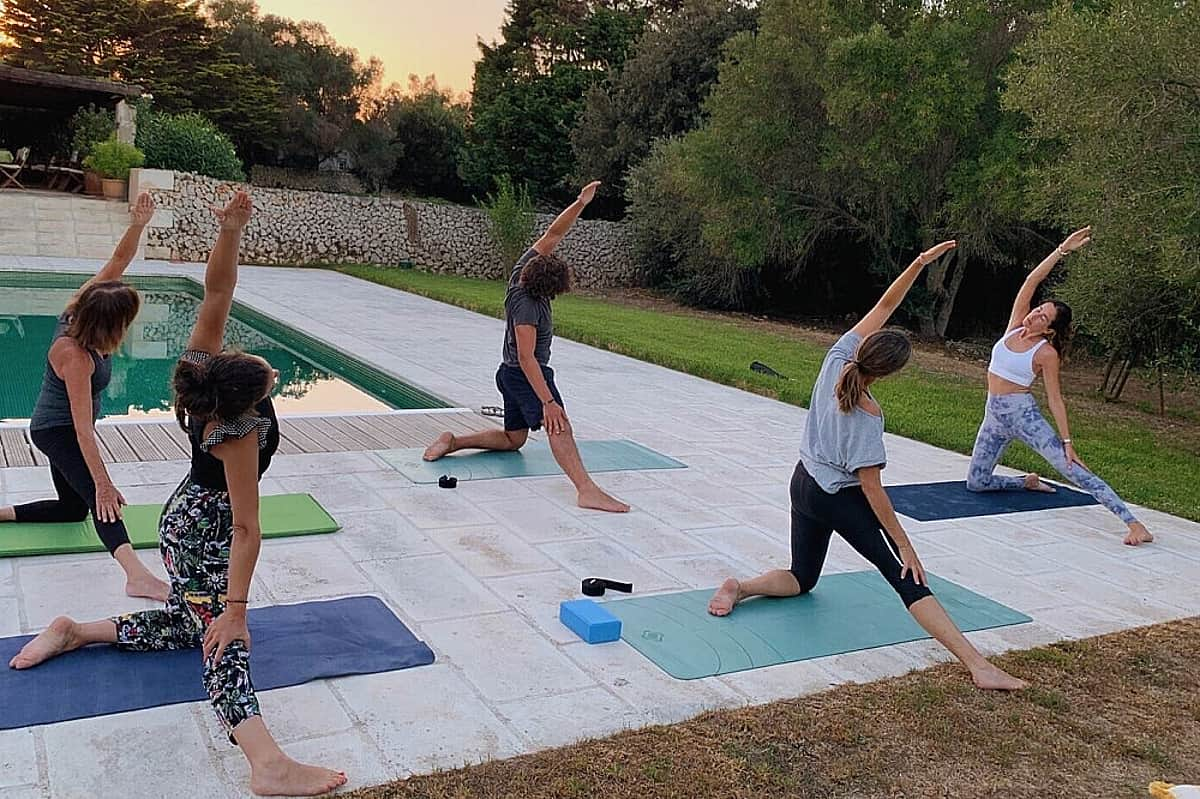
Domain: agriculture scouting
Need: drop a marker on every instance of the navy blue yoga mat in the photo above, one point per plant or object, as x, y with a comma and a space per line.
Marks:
932, 502
291, 644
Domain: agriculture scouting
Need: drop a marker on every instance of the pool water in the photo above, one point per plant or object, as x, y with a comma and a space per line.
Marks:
313, 377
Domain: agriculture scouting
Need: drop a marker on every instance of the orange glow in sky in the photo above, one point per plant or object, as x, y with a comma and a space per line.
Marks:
409, 36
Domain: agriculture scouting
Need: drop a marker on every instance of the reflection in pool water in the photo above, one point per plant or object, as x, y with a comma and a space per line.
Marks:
142, 369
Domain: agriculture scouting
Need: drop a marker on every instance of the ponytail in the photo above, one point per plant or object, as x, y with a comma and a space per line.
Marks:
850, 387
881, 353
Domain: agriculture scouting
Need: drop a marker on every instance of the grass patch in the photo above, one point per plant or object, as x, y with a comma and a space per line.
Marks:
1110, 735
1146, 466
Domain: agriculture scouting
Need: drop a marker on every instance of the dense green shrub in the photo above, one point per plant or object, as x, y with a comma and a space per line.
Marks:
90, 126
187, 143
113, 159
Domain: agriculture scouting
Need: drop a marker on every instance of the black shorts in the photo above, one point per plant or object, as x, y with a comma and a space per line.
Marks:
522, 408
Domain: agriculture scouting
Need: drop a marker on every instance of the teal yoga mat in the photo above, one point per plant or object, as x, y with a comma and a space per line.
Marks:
533, 460
844, 613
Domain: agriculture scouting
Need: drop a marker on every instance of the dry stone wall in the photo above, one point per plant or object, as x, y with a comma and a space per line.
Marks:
303, 227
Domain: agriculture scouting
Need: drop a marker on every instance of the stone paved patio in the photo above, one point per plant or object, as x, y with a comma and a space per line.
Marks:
478, 572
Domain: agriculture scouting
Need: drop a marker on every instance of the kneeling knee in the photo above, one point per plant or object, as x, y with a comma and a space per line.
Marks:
805, 582
976, 484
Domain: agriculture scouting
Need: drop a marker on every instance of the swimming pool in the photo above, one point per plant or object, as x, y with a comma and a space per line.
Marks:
313, 377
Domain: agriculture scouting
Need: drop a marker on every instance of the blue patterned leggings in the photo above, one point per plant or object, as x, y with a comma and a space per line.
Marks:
1012, 417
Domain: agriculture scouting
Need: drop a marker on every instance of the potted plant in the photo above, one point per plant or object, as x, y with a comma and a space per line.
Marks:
113, 159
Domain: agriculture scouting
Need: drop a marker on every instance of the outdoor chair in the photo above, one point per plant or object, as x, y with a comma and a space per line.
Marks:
65, 177
11, 172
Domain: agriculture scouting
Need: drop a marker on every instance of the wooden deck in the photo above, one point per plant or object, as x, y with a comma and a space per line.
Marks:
126, 442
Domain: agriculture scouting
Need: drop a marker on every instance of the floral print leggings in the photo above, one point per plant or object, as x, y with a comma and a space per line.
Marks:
1011, 417
195, 534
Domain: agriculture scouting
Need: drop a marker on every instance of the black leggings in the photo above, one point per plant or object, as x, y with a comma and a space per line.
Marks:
75, 486
816, 514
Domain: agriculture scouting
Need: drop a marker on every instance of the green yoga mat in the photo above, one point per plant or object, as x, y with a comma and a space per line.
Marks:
844, 613
533, 460
282, 515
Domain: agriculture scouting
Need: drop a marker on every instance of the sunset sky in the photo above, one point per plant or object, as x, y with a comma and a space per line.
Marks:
409, 36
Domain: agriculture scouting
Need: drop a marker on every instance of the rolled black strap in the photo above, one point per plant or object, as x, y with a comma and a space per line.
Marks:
594, 586
446, 481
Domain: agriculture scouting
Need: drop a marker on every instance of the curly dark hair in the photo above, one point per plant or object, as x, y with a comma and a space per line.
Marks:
546, 276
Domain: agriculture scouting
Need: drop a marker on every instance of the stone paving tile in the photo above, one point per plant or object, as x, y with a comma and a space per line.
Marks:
18, 758
599, 558
379, 535
351, 751
432, 587
427, 718
125, 755
491, 551
526, 666
557, 721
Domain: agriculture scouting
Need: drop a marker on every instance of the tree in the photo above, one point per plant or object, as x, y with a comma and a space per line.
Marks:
529, 88
657, 92
429, 130
1112, 94
322, 86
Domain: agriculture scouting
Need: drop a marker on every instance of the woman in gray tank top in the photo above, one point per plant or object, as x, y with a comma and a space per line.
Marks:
63, 424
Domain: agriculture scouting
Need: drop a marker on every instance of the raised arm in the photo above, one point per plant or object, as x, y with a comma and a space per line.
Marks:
1024, 301
878, 316
139, 217
559, 227
220, 276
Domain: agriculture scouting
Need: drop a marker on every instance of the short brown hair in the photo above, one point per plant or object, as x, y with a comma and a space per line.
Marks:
101, 313
546, 276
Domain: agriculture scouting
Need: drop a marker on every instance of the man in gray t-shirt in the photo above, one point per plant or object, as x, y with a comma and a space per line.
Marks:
525, 378
836, 444
524, 308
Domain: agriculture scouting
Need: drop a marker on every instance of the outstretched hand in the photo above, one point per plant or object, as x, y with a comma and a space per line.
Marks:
1077, 239
142, 210
235, 215
937, 251
588, 192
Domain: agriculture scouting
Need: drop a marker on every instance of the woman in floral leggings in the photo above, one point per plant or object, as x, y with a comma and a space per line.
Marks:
1032, 346
209, 534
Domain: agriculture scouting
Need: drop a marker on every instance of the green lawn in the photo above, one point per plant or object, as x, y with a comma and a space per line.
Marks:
1145, 466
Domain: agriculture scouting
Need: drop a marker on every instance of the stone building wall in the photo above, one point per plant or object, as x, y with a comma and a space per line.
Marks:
303, 227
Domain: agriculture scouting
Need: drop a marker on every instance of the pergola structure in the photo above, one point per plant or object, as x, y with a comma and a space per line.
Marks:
31, 90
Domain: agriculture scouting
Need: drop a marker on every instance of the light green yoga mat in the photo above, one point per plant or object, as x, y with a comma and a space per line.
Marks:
533, 460
844, 613
281, 515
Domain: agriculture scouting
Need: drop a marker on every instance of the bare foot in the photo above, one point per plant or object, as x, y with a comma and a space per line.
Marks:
1034, 483
725, 598
8, 514
990, 678
440, 448
595, 499
286, 777
61, 636
1138, 534
147, 587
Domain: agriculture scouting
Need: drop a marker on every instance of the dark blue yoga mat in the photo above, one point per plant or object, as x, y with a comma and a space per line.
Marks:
290, 645
932, 502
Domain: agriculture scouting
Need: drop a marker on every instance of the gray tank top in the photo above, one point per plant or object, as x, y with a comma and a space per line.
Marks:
53, 408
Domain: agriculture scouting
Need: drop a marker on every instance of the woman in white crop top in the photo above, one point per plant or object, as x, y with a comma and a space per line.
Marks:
1033, 345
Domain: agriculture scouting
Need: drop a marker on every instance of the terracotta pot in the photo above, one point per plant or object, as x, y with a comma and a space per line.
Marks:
92, 183
114, 189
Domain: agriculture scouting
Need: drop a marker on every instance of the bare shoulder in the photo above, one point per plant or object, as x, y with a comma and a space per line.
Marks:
66, 355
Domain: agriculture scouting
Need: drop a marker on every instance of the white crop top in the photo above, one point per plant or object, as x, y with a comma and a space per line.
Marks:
1015, 367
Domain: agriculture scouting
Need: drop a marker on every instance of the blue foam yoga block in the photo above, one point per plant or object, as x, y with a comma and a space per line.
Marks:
589, 621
